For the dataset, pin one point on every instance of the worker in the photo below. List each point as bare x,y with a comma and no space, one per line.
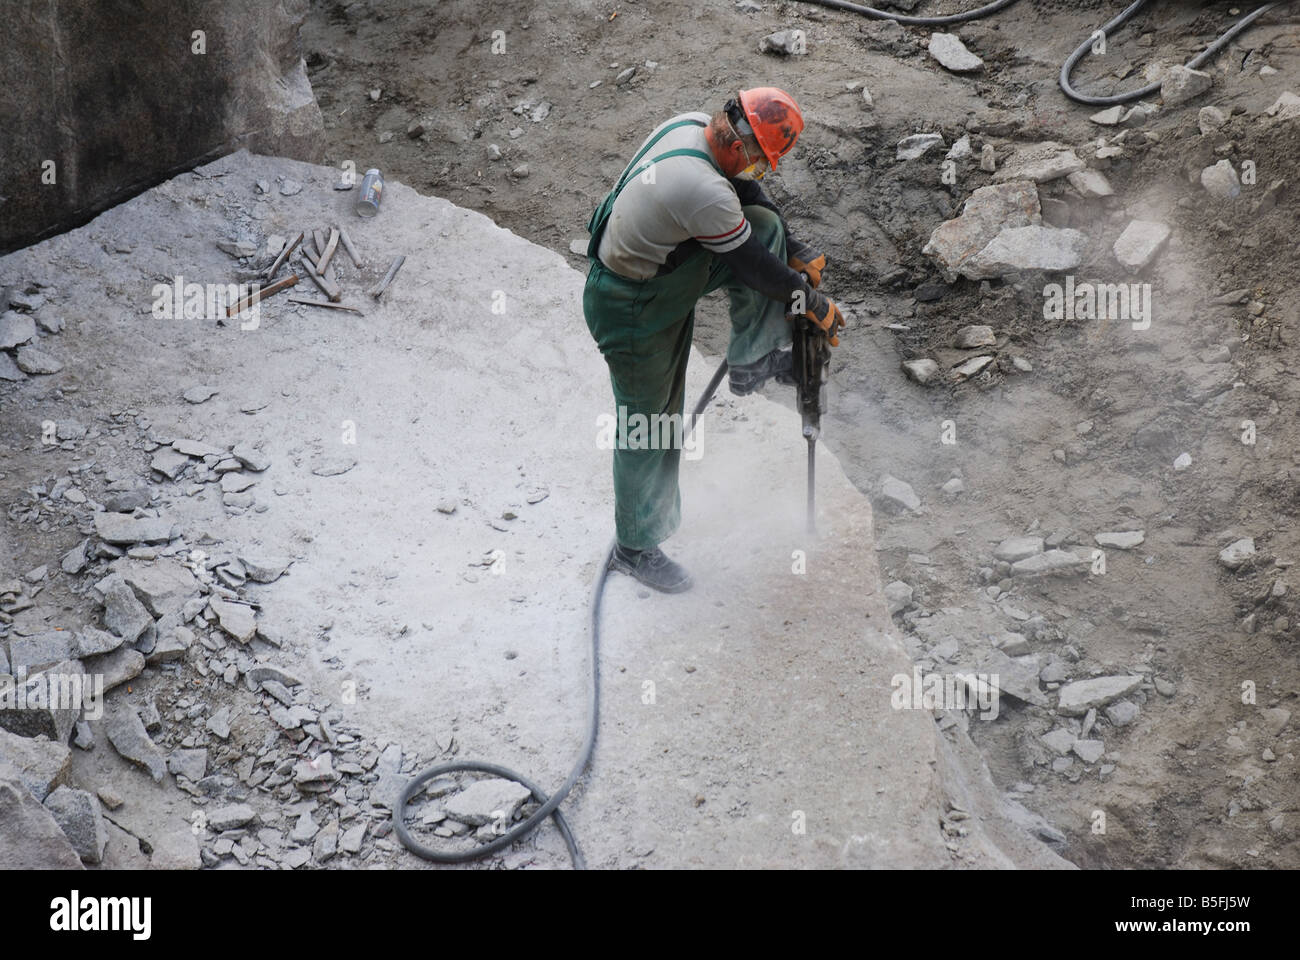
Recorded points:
687,217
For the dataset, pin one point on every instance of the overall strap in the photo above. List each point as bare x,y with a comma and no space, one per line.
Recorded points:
681,152
646,149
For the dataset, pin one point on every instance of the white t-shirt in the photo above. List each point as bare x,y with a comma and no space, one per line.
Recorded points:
674,200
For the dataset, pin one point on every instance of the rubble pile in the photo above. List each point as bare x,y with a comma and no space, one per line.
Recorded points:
175,676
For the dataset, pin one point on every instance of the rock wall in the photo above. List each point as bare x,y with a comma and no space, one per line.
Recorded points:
104,100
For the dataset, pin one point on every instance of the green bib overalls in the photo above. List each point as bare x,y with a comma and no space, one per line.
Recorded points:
643,329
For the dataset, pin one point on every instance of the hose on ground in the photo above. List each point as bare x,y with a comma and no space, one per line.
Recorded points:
549,805
875,14
1067,68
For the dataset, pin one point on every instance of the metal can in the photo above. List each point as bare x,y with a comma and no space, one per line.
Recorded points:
372,191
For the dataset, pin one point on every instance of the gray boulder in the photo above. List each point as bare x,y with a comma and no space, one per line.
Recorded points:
260,99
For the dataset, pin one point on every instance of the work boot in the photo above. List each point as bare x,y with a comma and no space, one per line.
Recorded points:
652,568
744,379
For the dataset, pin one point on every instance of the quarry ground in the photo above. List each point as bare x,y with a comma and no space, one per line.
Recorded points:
1084,443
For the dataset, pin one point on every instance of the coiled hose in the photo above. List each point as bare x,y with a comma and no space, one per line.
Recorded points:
549,805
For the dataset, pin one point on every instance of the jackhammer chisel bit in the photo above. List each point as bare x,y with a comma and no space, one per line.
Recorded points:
811,354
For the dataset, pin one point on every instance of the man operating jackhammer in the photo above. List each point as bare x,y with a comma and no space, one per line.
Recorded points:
687,217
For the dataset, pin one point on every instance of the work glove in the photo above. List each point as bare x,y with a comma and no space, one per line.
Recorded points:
805,260
826,316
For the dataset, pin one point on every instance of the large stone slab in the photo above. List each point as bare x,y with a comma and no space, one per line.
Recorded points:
719,737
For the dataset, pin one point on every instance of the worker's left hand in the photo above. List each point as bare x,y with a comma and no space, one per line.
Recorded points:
806,260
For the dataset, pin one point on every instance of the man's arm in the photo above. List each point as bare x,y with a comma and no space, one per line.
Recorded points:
797,250
720,226
750,193
757,267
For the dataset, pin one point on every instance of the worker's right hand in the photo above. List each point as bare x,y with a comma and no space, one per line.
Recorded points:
826,315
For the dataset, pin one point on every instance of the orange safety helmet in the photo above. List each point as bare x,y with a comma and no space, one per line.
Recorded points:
775,119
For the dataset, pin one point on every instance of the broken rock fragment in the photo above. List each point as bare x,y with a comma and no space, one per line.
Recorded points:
126,733
487,801
236,619
79,816
265,569
15,330
1139,244
913,147
45,704
32,359
1235,554
1079,697
1181,84
987,212
1040,163
122,529
124,614
30,838
41,765
952,54
1221,181
252,458
1027,248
